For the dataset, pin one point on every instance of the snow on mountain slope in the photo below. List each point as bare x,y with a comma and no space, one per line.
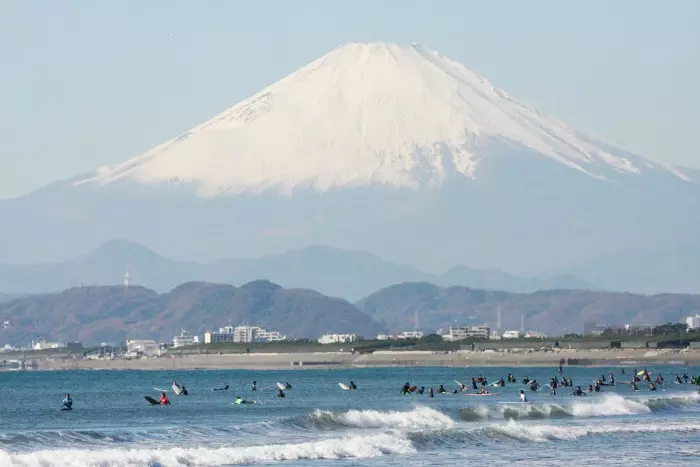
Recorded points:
366,114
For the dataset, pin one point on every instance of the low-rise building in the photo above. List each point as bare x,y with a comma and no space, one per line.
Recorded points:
535,335
478,331
44,345
511,335
242,334
337,338
410,335
142,348
185,339
693,322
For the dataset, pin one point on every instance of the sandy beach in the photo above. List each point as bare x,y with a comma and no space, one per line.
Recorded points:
270,361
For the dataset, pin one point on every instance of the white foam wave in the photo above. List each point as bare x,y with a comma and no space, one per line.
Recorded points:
335,448
419,417
610,404
543,433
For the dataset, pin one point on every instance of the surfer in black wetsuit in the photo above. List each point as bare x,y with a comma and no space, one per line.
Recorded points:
421,390
255,386
578,392
352,385
225,388
430,392
67,403
441,389
685,377
406,388
280,393
184,391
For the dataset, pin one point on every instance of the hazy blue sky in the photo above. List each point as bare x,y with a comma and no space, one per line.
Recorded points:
83,84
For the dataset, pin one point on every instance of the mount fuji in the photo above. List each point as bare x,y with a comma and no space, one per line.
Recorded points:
387,148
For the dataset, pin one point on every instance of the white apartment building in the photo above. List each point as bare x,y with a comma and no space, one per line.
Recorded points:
693,322
410,335
511,335
142,347
337,338
479,331
43,345
185,339
242,334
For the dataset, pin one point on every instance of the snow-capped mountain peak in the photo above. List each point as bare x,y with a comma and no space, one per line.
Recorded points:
363,114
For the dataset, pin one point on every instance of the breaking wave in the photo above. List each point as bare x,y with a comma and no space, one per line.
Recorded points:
608,405
419,417
392,442
336,448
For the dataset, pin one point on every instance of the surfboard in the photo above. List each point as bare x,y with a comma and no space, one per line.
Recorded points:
343,387
459,383
66,409
281,386
151,400
246,403
177,389
489,394
162,390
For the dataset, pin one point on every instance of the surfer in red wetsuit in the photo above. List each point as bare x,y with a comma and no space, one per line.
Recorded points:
164,399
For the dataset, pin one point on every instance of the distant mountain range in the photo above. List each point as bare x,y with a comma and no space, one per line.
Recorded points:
112,314
552,311
331,271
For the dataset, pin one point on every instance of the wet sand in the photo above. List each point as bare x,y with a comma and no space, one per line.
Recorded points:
263,361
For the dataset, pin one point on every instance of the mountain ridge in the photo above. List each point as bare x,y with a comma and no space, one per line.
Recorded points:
351,274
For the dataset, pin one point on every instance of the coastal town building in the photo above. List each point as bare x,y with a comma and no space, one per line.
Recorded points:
511,335
337,338
142,348
185,339
477,331
242,334
410,335
693,322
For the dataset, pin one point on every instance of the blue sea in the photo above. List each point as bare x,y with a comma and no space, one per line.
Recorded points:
318,424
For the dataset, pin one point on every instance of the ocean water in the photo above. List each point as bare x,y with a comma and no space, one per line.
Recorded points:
321,425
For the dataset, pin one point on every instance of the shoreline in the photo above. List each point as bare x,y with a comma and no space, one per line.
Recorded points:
385,359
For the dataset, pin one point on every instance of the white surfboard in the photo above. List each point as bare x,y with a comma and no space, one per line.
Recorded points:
177,389
162,390
281,386
343,387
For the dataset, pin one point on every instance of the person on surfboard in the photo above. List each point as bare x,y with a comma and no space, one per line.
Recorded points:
67,402
164,399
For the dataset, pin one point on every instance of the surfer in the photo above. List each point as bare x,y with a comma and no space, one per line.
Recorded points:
405,389
501,383
685,377
441,389
287,386
352,385
612,379
652,387
240,400
523,397
483,390
578,392
634,386
164,399
421,390
679,380
225,388
184,391
255,386
430,392
67,403
280,393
